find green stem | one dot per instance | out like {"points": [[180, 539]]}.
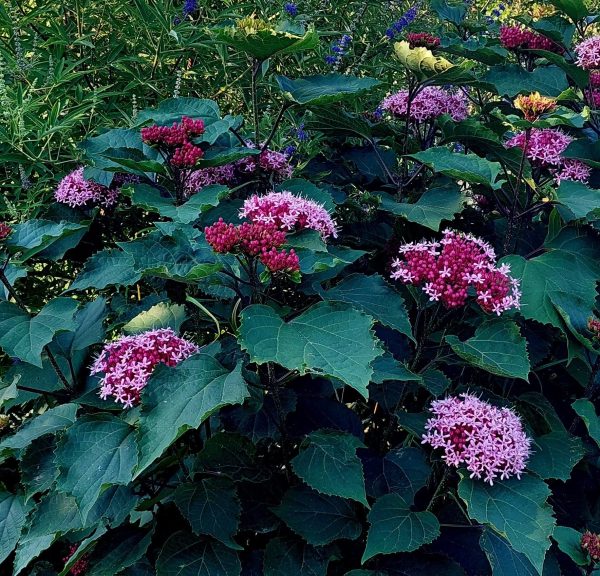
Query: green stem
{"points": [[256, 66]]}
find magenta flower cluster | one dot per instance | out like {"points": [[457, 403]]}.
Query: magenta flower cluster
{"points": [[544, 147], [448, 269], [175, 141], [430, 103], [272, 163], [203, 177], [75, 191], [128, 363], [518, 38], [289, 212], [253, 239], [490, 441], [593, 93], [588, 53]]}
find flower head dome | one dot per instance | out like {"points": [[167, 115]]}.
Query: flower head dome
{"points": [[489, 441], [289, 212], [450, 268], [428, 104], [75, 190], [588, 53], [128, 363]]}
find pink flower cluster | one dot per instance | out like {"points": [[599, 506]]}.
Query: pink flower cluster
{"points": [[515, 38], [590, 542], [289, 212], [593, 94], [203, 177], [5, 230], [175, 141], [270, 161], [588, 53], [449, 268], [545, 147], [75, 190], [428, 104], [253, 239], [128, 363], [424, 39], [276, 164], [81, 566], [490, 441]]}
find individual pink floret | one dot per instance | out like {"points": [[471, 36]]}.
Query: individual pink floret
{"points": [[128, 363], [489, 441], [289, 212]]}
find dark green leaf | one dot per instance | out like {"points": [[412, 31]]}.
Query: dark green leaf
{"points": [[394, 528], [504, 560], [512, 79], [25, 337], [187, 555], [578, 199], [555, 455], [34, 236], [318, 518], [434, 206], [173, 109], [454, 13], [228, 454], [38, 470], [483, 140], [107, 268], [286, 556], [90, 329], [118, 550], [468, 167], [211, 507], [387, 368], [435, 381], [569, 542], [404, 471], [544, 275], [574, 9], [339, 123], [56, 514], [331, 339], [97, 451], [374, 296], [51, 421], [584, 150], [173, 257], [150, 197], [324, 88], [328, 463], [516, 509], [586, 411], [12, 520], [161, 315], [497, 347], [195, 388]]}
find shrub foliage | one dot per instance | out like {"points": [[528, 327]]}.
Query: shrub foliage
{"points": [[336, 318]]}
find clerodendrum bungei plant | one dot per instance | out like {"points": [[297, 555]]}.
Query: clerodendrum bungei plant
{"points": [[349, 330]]}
